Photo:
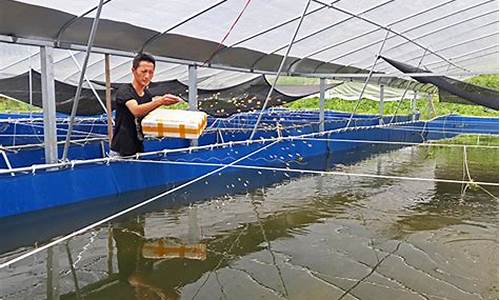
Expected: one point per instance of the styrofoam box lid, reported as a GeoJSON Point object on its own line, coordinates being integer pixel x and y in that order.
{"type": "Point", "coordinates": [175, 117]}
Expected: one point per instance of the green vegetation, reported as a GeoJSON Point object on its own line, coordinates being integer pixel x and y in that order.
{"type": "Point", "coordinates": [471, 139]}
{"type": "Point", "coordinates": [483, 162]}
{"type": "Point", "coordinates": [11, 105]}
{"type": "Point", "coordinates": [489, 81]}
{"type": "Point", "coordinates": [180, 105]}
{"type": "Point", "coordinates": [371, 107]}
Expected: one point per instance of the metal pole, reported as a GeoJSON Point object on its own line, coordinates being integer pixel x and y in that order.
{"type": "Point", "coordinates": [193, 94]}
{"type": "Point", "coordinates": [31, 89]}
{"type": "Point", "coordinates": [193, 101]}
{"type": "Point", "coordinates": [367, 79]}
{"type": "Point", "coordinates": [49, 104]}
{"type": "Point", "coordinates": [414, 106]}
{"type": "Point", "coordinates": [109, 108]}
{"type": "Point", "coordinates": [322, 104]}
{"type": "Point", "coordinates": [280, 68]}
{"type": "Point", "coordinates": [82, 76]}
{"type": "Point", "coordinates": [431, 104]}
{"type": "Point", "coordinates": [381, 104]}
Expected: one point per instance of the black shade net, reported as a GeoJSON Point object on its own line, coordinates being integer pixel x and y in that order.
{"type": "Point", "coordinates": [452, 90]}
{"type": "Point", "coordinates": [223, 102]}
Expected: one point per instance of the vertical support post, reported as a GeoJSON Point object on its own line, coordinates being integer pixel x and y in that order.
{"type": "Point", "coordinates": [53, 273]}
{"type": "Point", "coordinates": [49, 104]}
{"type": "Point", "coordinates": [381, 104]}
{"type": "Point", "coordinates": [431, 105]}
{"type": "Point", "coordinates": [414, 106]}
{"type": "Point", "coordinates": [31, 88]}
{"type": "Point", "coordinates": [109, 109]}
{"type": "Point", "coordinates": [193, 94]}
{"type": "Point", "coordinates": [322, 86]}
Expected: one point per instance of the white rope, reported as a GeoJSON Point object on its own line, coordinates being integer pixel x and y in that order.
{"type": "Point", "coordinates": [36, 135]}
{"type": "Point", "coordinates": [33, 168]}
{"type": "Point", "coordinates": [81, 141]}
{"type": "Point", "coordinates": [422, 144]}
{"type": "Point", "coordinates": [195, 148]}
{"type": "Point", "coordinates": [134, 207]}
{"type": "Point", "coordinates": [76, 131]}
{"type": "Point", "coordinates": [472, 182]}
{"type": "Point", "coordinates": [450, 131]}
{"type": "Point", "coordinates": [316, 172]}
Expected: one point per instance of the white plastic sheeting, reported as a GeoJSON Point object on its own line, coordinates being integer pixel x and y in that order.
{"type": "Point", "coordinates": [457, 36]}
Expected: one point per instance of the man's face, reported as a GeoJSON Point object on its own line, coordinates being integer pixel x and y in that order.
{"type": "Point", "coordinates": [144, 72]}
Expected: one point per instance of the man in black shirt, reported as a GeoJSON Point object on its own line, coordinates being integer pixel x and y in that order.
{"type": "Point", "coordinates": [133, 102]}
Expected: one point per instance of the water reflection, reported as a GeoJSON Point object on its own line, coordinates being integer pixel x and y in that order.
{"type": "Point", "coordinates": [315, 237]}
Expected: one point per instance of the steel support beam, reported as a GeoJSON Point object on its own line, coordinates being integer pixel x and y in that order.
{"type": "Point", "coordinates": [49, 104]}
{"type": "Point", "coordinates": [414, 106]}
{"type": "Point", "coordinates": [109, 109]}
{"type": "Point", "coordinates": [193, 93]}
{"type": "Point", "coordinates": [381, 104]}
{"type": "Point", "coordinates": [322, 87]}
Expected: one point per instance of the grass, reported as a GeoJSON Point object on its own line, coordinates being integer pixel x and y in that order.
{"type": "Point", "coordinates": [11, 105]}
{"type": "Point", "coordinates": [371, 107]}
{"type": "Point", "coordinates": [442, 108]}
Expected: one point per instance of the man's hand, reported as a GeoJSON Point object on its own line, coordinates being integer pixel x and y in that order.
{"type": "Point", "coordinates": [167, 99]}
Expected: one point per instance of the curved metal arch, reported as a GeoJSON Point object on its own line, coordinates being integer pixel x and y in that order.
{"type": "Point", "coordinates": [394, 32]}
{"type": "Point", "coordinates": [73, 20]}
{"type": "Point", "coordinates": [159, 34]}
{"type": "Point", "coordinates": [409, 60]}
{"type": "Point", "coordinates": [445, 27]}
{"type": "Point", "coordinates": [377, 29]}
{"type": "Point", "coordinates": [322, 30]}
{"type": "Point", "coordinates": [262, 32]}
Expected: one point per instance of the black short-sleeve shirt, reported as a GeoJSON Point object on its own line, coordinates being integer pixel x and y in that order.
{"type": "Point", "coordinates": [127, 134]}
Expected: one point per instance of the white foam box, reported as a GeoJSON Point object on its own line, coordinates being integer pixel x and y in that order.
{"type": "Point", "coordinates": [184, 124]}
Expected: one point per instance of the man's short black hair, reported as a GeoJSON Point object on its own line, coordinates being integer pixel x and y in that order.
{"type": "Point", "coordinates": [143, 57]}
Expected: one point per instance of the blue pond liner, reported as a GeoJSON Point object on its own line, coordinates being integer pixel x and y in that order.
{"type": "Point", "coordinates": [40, 189]}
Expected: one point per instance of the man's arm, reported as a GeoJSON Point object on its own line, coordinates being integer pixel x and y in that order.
{"type": "Point", "coordinates": [140, 110]}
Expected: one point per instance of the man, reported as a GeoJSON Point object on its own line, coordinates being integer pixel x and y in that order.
{"type": "Point", "coordinates": [133, 102]}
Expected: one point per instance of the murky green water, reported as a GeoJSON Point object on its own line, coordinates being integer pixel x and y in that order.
{"type": "Point", "coordinates": [312, 237]}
